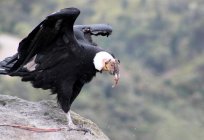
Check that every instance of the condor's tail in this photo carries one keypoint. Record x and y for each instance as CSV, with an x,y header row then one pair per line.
x,y
7,64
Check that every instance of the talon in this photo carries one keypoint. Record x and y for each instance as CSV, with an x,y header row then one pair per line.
x,y
80,128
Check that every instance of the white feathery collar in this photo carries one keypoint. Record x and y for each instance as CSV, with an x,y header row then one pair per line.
x,y
99,59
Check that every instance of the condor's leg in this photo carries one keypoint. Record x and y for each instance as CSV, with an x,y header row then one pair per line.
x,y
65,95
72,126
76,90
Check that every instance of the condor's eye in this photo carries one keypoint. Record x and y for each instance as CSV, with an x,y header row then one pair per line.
x,y
108,61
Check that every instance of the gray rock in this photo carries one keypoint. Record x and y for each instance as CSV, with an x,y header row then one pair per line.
x,y
44,114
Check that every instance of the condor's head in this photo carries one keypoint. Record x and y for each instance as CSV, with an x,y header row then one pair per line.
x,y
104,61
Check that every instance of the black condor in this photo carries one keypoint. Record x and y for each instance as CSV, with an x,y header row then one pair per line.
x,y
62,57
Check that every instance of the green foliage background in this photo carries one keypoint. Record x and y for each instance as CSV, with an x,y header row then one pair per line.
x,y
160,44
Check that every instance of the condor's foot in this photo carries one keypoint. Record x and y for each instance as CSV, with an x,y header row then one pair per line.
x,y
79,128
73,127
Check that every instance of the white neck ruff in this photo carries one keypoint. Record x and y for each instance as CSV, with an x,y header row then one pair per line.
x,y
99,59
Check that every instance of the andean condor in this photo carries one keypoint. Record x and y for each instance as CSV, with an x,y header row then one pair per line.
x,y
62,57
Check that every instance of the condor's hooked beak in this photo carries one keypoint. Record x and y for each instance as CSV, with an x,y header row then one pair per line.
x,y
112,66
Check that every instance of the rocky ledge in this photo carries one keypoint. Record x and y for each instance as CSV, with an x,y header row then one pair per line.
x,y
17,115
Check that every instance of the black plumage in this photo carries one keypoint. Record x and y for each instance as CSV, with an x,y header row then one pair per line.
x,y
59,56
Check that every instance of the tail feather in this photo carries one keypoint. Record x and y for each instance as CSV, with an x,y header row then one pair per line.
x,y
7,64
3,72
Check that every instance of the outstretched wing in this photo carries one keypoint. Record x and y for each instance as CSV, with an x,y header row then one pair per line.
x,y
40,40
84,32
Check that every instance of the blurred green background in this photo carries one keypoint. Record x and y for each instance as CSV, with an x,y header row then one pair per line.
x,y
160,44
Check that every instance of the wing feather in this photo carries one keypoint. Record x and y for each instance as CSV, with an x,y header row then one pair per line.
x,y
84,32
40,40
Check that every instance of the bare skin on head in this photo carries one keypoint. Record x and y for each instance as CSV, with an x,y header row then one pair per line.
x,y
112,66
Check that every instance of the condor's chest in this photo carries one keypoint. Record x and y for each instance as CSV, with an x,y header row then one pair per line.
x,y
86,71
